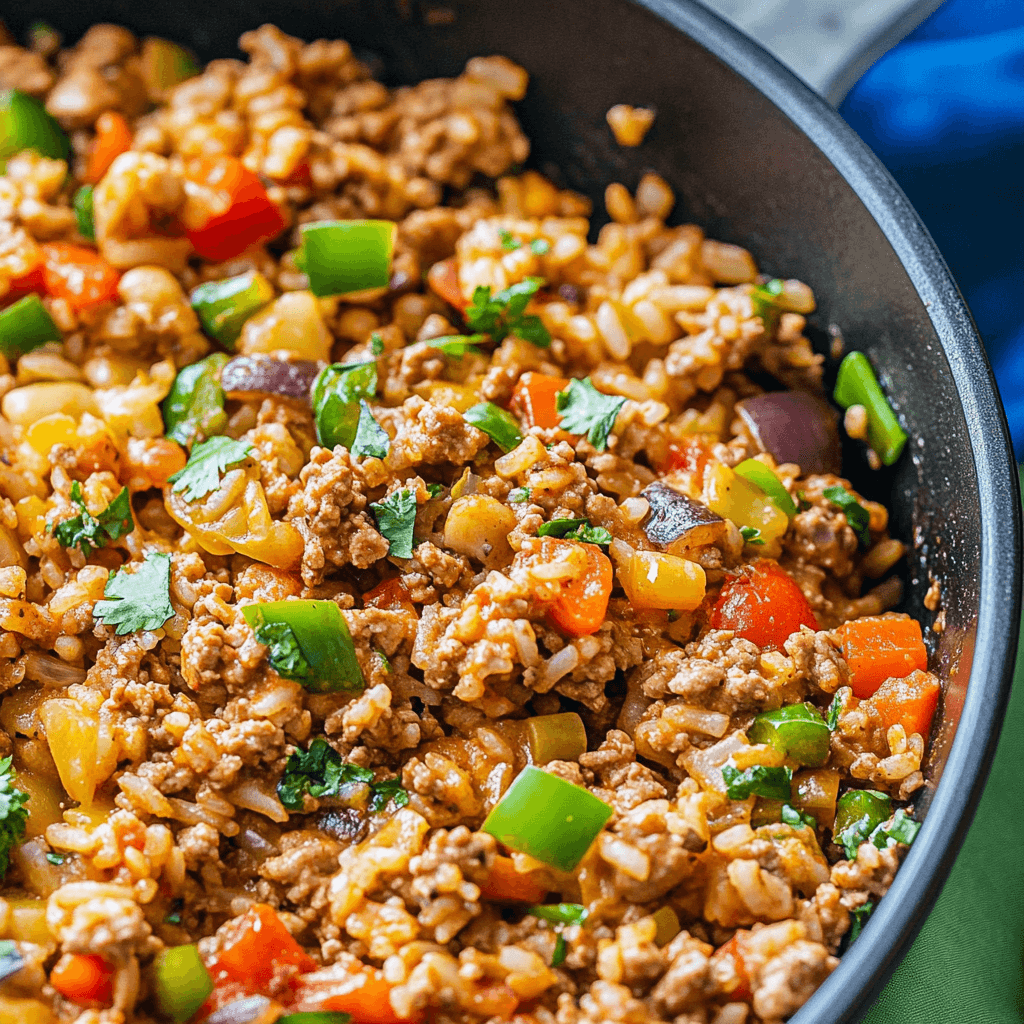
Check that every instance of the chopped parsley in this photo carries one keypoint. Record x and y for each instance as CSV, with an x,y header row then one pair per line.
x,y
540,246
860,916
140,599
371,440
509,242
55,858
751,535
383,659
797,818
396,516
335,397
902,830
559,913
757,780
503,313
802,504
856,514
284,654
500,426
519,495
208,460
376,344
173,918
558,954
13,814
575,529
434,490
456,345
320,771
835,709
585,410
88,532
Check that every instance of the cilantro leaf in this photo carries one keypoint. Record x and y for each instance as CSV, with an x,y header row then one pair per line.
x,y
376,344
797,818
335,397
559,952
559,913
208,460
856,514
395,516
751,535
456,345
835,709
141,599
284,654
12,813
860,916
383,659
519,495
434,490
585,410
757,780
55,858
509,242
88,532
503,313
385,790
540,246
498,424
902,830
575,529
371,440
320,771
763,297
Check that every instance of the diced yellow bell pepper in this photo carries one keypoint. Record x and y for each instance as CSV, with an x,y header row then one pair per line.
x,y
734,498
652,579
81,746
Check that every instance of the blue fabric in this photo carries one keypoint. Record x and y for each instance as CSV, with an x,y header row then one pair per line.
x,y
944,110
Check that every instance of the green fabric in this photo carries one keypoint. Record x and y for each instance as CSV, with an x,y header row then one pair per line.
x,y
965,964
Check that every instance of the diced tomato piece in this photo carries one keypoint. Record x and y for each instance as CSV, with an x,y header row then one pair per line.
x,y
443,279
78,274
506,885
763,605
880,647
25,285
910,702
533,399
257,950
689,455
581,608
250,216
113,137
84,979
389,595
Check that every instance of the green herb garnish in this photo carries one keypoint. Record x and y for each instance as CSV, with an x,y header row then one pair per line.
x,y
509,242
500,426
208,460
321,772
456,345
336,394
856,514
503,314
757,780
860,917
519,495
396,516
797,818
559,913
751,535
55,858
88,532
82,205
13,814
284,654
902,830
540,246
834,711
139,599
585,410
376,344
576,529
371,440
558,954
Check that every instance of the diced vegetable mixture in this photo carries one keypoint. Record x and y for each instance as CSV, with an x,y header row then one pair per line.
x,y
410,610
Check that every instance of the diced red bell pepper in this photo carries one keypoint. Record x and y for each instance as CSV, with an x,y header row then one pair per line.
x,y
77,274
763,605
533,399
443,279
84,978
258,949
389,595
689,455
250,216
113,137
362,992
